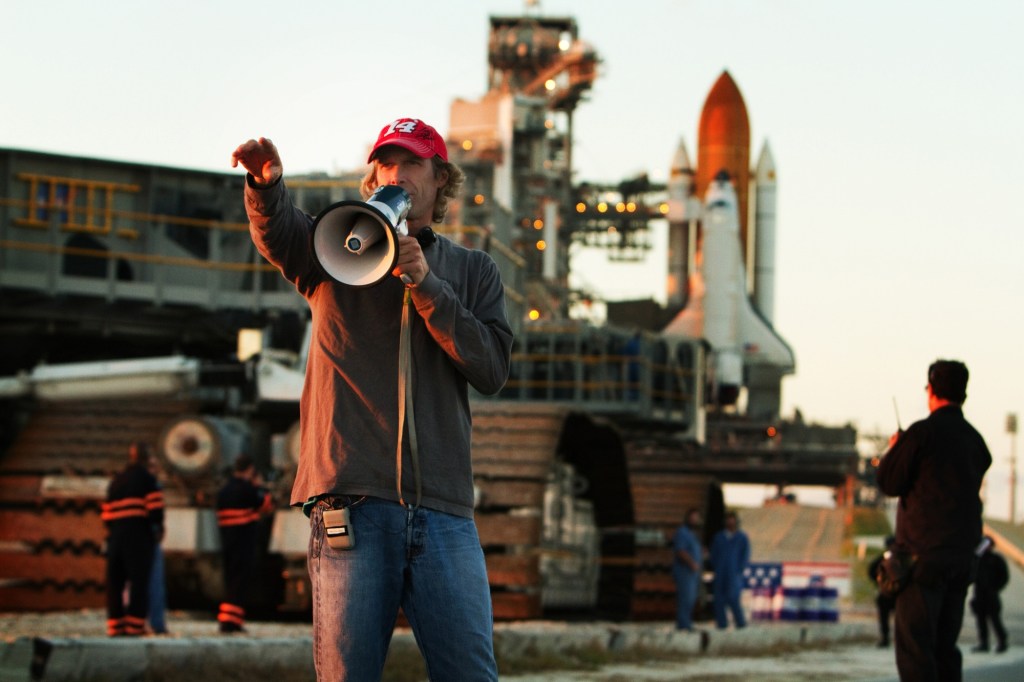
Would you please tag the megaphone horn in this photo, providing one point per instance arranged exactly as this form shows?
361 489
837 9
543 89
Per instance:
356 242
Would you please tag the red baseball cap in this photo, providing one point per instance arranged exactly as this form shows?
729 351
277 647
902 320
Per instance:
412 134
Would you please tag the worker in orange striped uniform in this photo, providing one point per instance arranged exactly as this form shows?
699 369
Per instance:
239 505
134 517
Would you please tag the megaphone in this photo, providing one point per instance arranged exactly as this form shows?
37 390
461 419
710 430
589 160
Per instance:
356 242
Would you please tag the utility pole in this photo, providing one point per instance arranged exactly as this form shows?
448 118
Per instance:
1011 428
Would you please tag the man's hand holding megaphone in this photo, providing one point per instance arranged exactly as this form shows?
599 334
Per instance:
411 265
261 159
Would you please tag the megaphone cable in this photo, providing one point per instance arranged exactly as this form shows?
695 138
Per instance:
405 403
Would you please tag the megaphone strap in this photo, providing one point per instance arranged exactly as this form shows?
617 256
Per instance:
405 403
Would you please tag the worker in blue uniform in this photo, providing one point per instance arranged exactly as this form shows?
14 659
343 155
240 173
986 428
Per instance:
687 567
730 554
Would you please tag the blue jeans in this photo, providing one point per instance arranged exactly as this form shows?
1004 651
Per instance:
428 563
157 593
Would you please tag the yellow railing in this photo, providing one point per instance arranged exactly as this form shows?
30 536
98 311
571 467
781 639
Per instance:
63 195
128 232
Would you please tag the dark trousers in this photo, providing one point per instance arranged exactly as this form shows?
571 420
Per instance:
239 553
987 607
129 562
885 607
929 615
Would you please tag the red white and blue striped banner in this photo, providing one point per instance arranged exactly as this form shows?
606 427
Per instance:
796 590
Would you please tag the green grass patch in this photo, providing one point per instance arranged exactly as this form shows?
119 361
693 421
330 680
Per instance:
868 521
864 521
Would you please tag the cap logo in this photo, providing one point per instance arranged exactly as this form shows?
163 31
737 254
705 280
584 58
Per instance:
413 134
402 126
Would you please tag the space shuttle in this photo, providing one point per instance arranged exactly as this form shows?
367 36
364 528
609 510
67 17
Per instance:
721 267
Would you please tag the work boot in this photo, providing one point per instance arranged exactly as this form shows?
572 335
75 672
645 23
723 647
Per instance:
1001 647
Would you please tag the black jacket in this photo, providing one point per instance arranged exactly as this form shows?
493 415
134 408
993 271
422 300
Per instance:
993 574
240 503
936 469
135 502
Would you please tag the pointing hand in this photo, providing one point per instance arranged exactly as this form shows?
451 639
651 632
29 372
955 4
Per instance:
261 159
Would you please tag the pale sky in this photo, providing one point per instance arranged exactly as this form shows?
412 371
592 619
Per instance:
896 128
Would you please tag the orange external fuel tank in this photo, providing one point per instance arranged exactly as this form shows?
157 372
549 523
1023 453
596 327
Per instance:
723 143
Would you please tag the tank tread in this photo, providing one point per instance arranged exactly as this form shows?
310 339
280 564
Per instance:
661 496
38 568
51 596
51 535
514 447
48 526
86 437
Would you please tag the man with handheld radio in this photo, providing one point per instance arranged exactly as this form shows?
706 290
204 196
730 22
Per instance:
936 468
384 471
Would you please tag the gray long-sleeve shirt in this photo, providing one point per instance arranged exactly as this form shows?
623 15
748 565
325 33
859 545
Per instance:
460 336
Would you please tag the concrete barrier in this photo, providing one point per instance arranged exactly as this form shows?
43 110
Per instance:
290 659
123 659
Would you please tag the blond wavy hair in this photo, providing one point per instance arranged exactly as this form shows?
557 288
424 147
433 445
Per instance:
450 190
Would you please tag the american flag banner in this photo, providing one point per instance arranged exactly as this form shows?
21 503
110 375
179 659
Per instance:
767 575
795 590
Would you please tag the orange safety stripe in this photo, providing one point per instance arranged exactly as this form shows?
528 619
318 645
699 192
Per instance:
228 618
125 502
128 507
236 517
155 500
230 613
127 514
115 626
134 625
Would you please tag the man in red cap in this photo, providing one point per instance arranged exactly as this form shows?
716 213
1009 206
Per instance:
375 546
